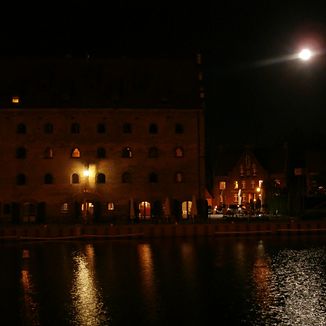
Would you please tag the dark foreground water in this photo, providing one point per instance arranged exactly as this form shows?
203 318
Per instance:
230 281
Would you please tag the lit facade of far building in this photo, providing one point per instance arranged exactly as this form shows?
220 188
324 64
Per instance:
242 182
101 140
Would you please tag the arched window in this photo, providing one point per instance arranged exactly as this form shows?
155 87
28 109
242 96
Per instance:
126 177
48 179
127 152
48 152
21 128
101 153
20 179
153 129
75 128
101 128
179 128
179 152
153 178
75 178
48 128
100 178
75 153
21 152
127 128
178 177
153 152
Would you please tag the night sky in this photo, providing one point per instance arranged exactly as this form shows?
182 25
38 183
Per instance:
249 100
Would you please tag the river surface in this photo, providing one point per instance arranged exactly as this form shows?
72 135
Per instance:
228 281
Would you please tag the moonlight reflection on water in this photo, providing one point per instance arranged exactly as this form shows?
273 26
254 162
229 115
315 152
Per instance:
290 287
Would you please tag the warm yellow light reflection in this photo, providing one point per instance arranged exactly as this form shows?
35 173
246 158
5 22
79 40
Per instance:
30 305
86 295
86 173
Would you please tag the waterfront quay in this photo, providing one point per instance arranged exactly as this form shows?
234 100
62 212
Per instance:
111 231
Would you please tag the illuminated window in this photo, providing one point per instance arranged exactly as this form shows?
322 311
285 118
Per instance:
235 198
48 128
75 153
243 184
75 128
21 153
64 208
178 177
15 100
222 185
20 179
127 152
110 206
153 129
101 128
101 153
244 197
75 178
252 184
126 177
153 152
48 152
260 183
48 179
178 152
127 128
186 209
179 128
236 185
100 178
153 178
21 128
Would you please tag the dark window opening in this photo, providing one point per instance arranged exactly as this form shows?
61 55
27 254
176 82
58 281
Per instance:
75 178
127 129
21 153
101 153
100 178
101 128
179 128
48 128
153 178
126 177
21 179
153 129
75 128
48 179
21 128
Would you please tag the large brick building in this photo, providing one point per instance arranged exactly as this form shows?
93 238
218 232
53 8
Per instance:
100 139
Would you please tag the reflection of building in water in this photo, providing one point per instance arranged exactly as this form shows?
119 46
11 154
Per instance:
261 277
187 256
30 304
87 298
147 271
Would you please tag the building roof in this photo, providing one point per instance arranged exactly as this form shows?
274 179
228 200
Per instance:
100 82
272 159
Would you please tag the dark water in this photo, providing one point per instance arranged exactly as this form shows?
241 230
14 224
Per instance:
230 281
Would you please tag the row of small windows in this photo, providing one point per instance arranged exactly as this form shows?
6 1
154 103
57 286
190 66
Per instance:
153 152
101 128
126 177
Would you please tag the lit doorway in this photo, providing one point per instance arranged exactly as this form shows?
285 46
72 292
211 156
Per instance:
186 209
144 210
87 211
